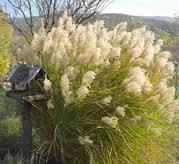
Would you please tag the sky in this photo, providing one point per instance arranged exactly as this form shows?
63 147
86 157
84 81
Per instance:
144 7
141 7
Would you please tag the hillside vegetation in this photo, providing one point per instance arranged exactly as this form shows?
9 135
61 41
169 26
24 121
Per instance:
156 24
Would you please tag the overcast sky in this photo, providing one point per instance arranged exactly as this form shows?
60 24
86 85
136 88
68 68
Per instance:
144 7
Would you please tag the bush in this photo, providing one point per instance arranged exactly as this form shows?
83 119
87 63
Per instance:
9 122
110 101
5 35
9 125
9 136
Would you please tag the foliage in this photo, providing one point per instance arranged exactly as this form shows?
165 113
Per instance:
9 134
169 41
9 159
9 122
109 97
8 107
9 125
5 35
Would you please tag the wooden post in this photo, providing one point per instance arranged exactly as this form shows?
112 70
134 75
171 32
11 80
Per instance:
26 130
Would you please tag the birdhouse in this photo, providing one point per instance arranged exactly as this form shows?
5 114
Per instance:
21 80
22 85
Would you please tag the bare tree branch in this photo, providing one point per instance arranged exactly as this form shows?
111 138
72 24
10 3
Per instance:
20 30
31 11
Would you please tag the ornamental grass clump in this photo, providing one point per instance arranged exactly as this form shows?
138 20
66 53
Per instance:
109 97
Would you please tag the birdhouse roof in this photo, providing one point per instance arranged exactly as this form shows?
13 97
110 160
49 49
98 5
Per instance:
24 73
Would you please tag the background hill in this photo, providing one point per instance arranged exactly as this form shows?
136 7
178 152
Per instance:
156 24
163 27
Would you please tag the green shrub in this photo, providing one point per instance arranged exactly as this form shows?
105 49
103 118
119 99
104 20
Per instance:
9 124
5 36
10 134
